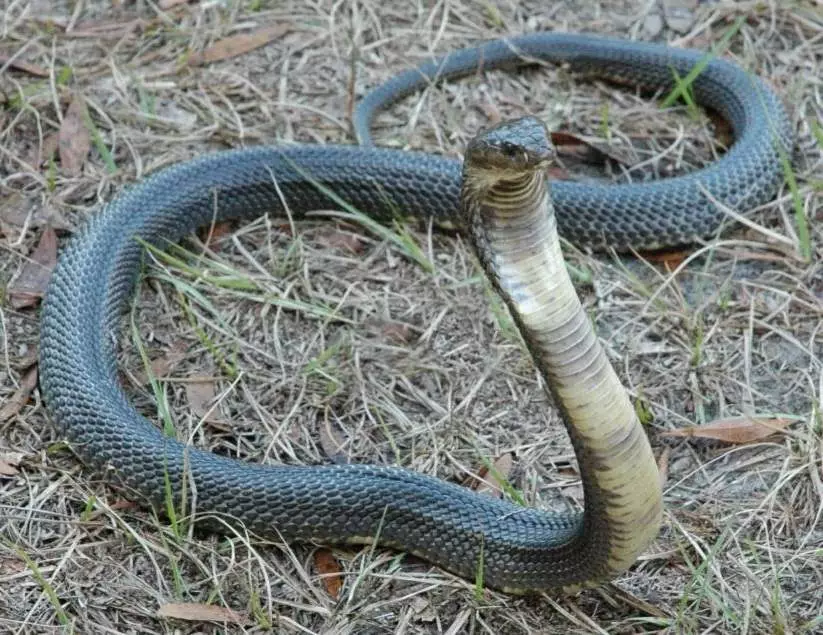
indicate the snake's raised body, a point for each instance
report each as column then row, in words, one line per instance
column 509, row 214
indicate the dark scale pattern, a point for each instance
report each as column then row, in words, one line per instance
column 667, row 212
column 522, row 548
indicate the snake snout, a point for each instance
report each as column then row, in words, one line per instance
column 522, row 145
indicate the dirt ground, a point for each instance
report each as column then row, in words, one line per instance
column 425, row 371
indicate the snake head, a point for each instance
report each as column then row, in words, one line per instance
column 511, row 149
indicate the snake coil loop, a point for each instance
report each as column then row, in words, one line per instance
column 519, row 549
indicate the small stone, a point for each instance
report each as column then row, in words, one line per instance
column 679, row 14
column 653, row 25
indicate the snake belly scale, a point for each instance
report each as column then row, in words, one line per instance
column 519, row 549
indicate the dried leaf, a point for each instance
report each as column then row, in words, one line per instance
column 43, row 153
column 330, row 572
column 334, row 238
column 105, row 29
column 212, row 234
column 163, row 365
column 333, row 443
column 284, row 228
column 239, row 44
column 21, row 396
column 723, row 133
column 31, row 284
column 122, row 503
column 422, row 607
column 201, row 395
column 14, row 208
column 562, row 138
column 18, row 211
column 26, row 67
column 496, row 476
column 491, row 111
column 9, row 566
column 663, row 465
column 671, row 259
column 169, row 4
column 590, row 151
column 75, row 141
column 556, row 173
column 398, row 332
column 502, row 468
column 735, row 430
column 194, row 612
column 7, row 468
column 26, row 360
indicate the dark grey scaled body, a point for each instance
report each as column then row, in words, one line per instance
column 95, row 276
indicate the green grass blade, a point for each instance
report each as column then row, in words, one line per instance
column 683, row 86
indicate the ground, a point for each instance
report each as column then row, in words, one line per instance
column 248, row 355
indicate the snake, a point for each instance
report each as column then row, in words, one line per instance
column 513, row 213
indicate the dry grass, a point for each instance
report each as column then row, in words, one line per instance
column 380, row 359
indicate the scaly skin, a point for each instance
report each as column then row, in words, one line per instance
column 518, row 549
column 512, row 225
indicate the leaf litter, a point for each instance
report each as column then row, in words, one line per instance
column 30, row 286
column 396, row 401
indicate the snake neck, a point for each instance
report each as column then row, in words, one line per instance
column 513, row 228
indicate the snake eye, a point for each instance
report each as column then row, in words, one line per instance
column 510, row 151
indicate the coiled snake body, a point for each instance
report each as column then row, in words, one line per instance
column 509, row 215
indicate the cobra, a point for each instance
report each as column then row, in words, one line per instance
column 500, row 197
